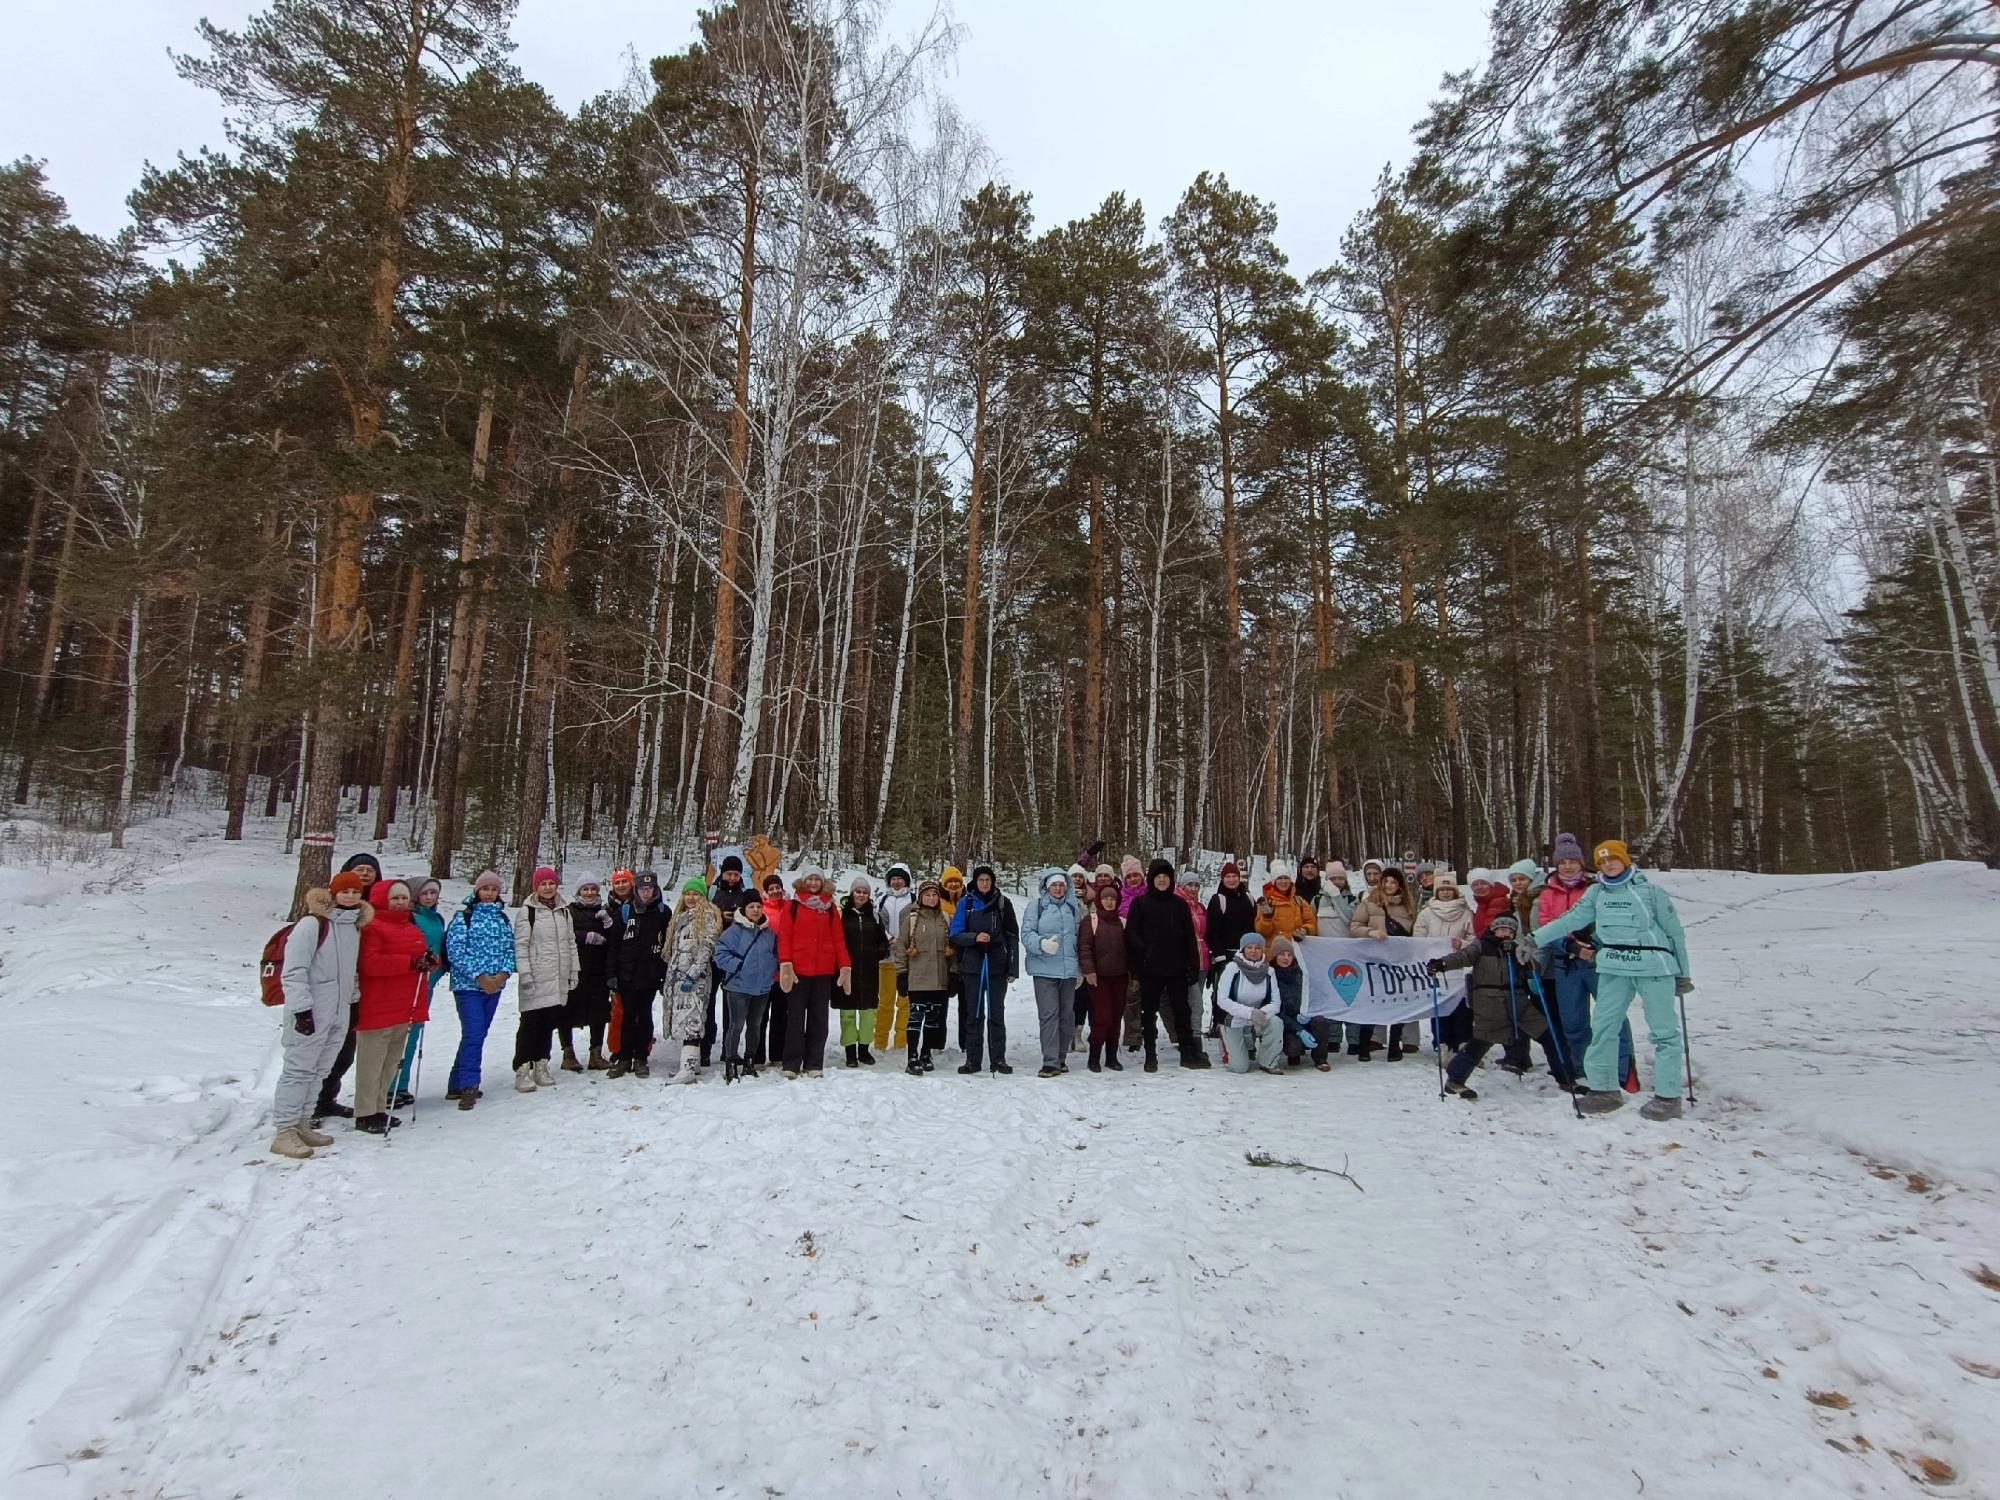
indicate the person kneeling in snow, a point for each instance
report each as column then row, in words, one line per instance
column 1641, row 951
column 1504, row 1004
column 1253, row 1027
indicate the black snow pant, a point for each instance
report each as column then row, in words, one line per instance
column 329, row 1090
column 982, row 1020
column 635, row 1024
column 807, row 1008
column 1164, row 1001
column 534, row 1037
column 767, row 1043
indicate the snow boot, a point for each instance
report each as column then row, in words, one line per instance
column 1152, row 1059
column 403, row 1100
column 1199, row 1060
column 791, row 1074
column 915, row 1066
column 333, row 1111
column 968, row 1069
column 377, row 1124
column 1002, row 1068
column 599, row 1063
column 570, row 1063
column 1463, row 1091
column 690, row 1062
column 729, row 1070
column 864, row 1056
column 524, row 1079
column 543, row 1077
column 1049, row 1073
column 749, row 1070
column 1111, row 1059
column 469, row 1098
column 1659, row 1107
column 642, row 1069
column 849, row 1050
column 1600, row 1101
column 312, row 1137
column 618, row 1069
column 288, row 1142
column 930, row 1063
column 1096, row 1063
column 1395, row 1053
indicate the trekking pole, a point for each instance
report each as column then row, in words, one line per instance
column 1437, row 1035
column 1555, row 1035
column 417, row 1078
column 1687, row 1050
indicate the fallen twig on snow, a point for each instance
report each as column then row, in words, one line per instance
column 1265, row 1159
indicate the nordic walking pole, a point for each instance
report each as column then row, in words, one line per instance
column 1555, row 1037
column 1437, row 1036
column 1687, row 1051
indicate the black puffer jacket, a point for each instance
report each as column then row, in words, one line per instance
column 1159, row 931
column 636, row 965
column 867, row 944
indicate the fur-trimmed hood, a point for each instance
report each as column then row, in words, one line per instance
column 319, row 903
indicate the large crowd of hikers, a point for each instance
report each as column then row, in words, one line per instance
column 624, row 970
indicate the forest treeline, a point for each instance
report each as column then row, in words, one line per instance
column 740, row 452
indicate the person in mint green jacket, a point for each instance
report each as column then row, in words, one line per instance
column 1641, row 951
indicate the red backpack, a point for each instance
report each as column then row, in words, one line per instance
column 271, row 968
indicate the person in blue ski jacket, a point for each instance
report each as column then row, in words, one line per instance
column 479, row 946
column 746, row 956
column 988, row 940
column 1048, row 941
column 1641, row 952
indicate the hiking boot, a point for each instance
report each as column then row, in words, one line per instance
column 313, row 1137
column 1659, row 1107
column 849, row 1050
column 791, row 1074
column 1199, row 1060
column 1323, row 1065
column 334, row 1111
column 1048, row 1072
column 1152, row 1061
column 1001, row 1067
column 543, row 1077
column 569, row 1062
column 642, row 1069
column 968, row 1069
column 749, row 1070
column 372, row 1124
column 914, row 1067
column 930, row 1063
column 453, row 1093
column 864, row 1056
column 524, row 1079
column 1111, row 1060
column 599, row 1063
column 469, row 1098
column 1462, row 1091
column 1096, row 1064
column 403, row 1100
column 1600, row 1101
column 288, row 1142
column 618, row 1069
column 1395, row 1053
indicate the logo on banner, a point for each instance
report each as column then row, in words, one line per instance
column 1346, row 981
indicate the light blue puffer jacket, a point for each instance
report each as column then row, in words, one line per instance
column 1045, row 918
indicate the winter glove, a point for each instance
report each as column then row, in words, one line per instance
column 1260, row 1020
column 903, row 985
column 302, row 1022
column 1264, row 907
column 846, row 981
column 1434, row 967
column 421, row 962
column 492, row 984
column 787, row 977
column 1051, row 944
column 604, row 920
column 1683, row 986
column 593, row 939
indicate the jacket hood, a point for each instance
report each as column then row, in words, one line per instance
column 743, row 919
column 951, row 873
column 319, row 903
column 1158, row 868
column 1051, row 876
column 378, row 900
column 899, row 868
column 979, row 870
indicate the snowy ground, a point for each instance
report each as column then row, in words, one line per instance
column 878, row 1285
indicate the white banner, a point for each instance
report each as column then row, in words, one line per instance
column 1365, row 982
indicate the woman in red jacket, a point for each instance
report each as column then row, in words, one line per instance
column 812, row 959
column 395, row 990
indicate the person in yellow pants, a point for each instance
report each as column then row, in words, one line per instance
column 892, row 1010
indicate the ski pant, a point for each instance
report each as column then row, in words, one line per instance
column 806, row 1010
column 635, row 1025
column 926, row 1020
column 534, row 1038
column 400, row 1084
column 742, row 1012
column 329, row 1089
column 766, row 1043
column 892, row 1011
column 589, row 1005
column 1108, row 1000
column 1655, row 993
column 1165, row 1000
column 306, row 1060
column 1467, row 1058
column 1325, row 1035
column 712, row 1008
column 1080, row 1009
column 857, row 1027
column 1245, row 1047
column 1570, row 984
column 982, row 1015
column 475, row 1019
column 1055, row 1009
column 375, row 1058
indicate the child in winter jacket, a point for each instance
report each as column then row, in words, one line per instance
column 1642, row 953
column 479, row 945
column 394, row 975
column 1253, row 1028
column 746, row 955
column 924, row 965
column 1107, row 969
column 1504, row 1002
column 321, row 983
column 688, row 949
column 545, row 940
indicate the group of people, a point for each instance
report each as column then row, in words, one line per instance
column 1115, row 956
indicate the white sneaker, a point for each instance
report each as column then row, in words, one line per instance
column 524, row 1079
column 543, row 1078
column 287, row 1143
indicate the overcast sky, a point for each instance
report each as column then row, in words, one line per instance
column 1299, row 101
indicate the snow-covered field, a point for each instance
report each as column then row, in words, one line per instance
column 879, row 1285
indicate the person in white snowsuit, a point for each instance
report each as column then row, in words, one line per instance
column 689, row 951
column 1253, row 1027
column 321, row 979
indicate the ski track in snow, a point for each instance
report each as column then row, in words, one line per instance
column 878, row 1285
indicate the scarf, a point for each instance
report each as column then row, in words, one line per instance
column 1618, row 879
column 820, row 902
column 1571, row 882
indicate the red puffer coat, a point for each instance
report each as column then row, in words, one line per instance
column 391, row 991
column 812, row 942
